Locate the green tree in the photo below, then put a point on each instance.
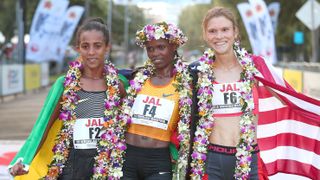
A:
(100, 8)
(191, 17)
(190, 21)
(97, 8)
(289, 23)
(6, 18)
(136, 20)
(8, 24)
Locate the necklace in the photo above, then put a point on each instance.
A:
(92, 78)
(68, 116)
(206, 121)
(183, 86)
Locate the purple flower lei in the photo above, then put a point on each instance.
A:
(206, 122)
(183, 85)
(108, 162)
(68, 116)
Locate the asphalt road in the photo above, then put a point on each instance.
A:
(17, 115)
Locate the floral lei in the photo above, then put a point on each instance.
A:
(160, 30)
(183, 86)
(206, 122)
(68, 116)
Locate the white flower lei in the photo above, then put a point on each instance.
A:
(183, 86)
(206, 122)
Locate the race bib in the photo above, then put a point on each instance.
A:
(227, 98)
(152, 111)
(86, 133)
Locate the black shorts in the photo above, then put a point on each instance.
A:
(221, 163)
(79, 164)
(147, 164)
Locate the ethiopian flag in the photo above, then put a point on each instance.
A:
(36, 162)
(35, 158)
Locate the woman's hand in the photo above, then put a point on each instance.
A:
(17, 169)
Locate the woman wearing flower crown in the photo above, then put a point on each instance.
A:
(158, 102)
(89, 99)
(225, 144)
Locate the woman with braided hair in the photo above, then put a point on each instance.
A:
(158, 101)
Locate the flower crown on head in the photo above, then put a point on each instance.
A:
(160, 30)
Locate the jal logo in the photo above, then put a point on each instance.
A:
(94, 127)
(94, 122)
(229, 87)
(229, 93)
(152, 100)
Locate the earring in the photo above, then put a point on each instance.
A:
(236, 44)
(175, 58)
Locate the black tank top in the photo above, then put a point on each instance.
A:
(90, 104)
(80, 161)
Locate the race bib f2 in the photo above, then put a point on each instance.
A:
(86, 132)
(152, 111)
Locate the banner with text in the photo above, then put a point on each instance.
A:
(256, 18)
(274, 11)
(45, 29)
(71, 19)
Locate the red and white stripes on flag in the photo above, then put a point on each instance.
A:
(288, 131)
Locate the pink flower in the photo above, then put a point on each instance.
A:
(65, 115)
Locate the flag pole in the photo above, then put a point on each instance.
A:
(109, 22)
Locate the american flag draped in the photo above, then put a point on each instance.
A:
(288, 131)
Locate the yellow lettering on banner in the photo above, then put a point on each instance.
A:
(294, 78)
